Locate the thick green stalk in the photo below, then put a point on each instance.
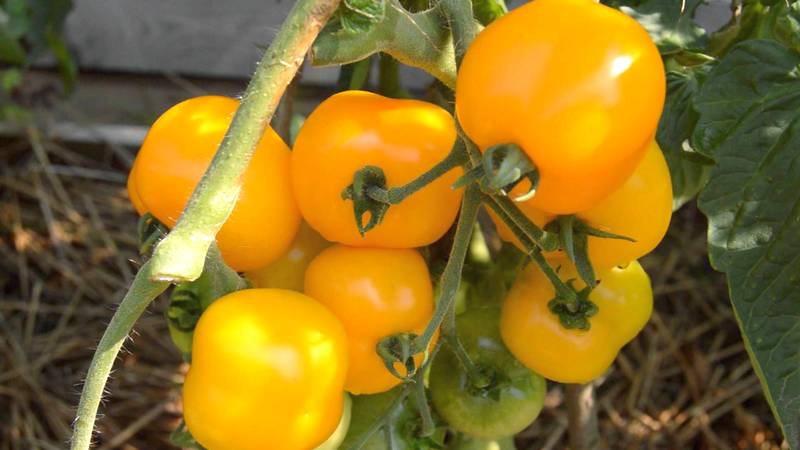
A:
(180, 256)
(141, 293)
(415, 39)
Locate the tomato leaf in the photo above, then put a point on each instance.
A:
(670, 23)
(676, 125)
(750, 124)
(11, 50)
(182, 438)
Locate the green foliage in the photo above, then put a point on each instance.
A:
(677, 123)
(487, 11)
(28, 30)
(670, 23)
(359, 16)
(181, 437)
(749, 123)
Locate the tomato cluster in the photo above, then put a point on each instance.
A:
(326, 295)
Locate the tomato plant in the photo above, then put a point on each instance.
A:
(553, 116)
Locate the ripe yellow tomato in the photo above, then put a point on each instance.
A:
(535, 336)
(354, 129)
(268, 370)
(375, 293)
(577, 85)
(640, 209)
(288, 272)
(175, 154)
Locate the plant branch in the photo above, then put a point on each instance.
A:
(180, 256)
(462, 22)
(419, 39)
(451, 277)
(395, 195)
(141, 293)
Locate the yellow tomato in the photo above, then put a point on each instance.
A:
(268, 370)
(536, 337)
(354, 129)
(577, 85)
(177, 151)
(375, 293)
(640, 209)
(288, 272)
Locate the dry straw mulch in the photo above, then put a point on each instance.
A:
(67, 254)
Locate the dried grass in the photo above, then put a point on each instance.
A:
(67, 252)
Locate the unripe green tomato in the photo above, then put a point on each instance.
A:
(513, 397)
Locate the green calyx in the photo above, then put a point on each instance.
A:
(364, 180)
(399, 348)
(502, 168)
(149, 232)
(574, 313)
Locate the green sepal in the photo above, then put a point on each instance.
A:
(574, 314)
(365, 179)
(149, 231)
(400, 348)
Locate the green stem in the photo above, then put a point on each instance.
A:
(451, 277)
(428, 425)
(141, 293)
(389, 77)
(477, 377)
(381, 420)
(180, 256)
(563, 291)
(395, 195)
(415, 39)
(462, 22)
(516, 219)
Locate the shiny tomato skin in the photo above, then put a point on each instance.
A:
(579, 86)
(375, 293)
(537, 338)
(268, 371)
(404, 138)
(640, 209)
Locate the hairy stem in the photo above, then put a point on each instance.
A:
(141, 293)
(395, 195)
(451, 277)
(180, 256)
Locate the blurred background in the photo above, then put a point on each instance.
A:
(74, 106)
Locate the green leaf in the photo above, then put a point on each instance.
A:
(750, 124)
(183, 438)
(11, 50)
(487, 11)
(66, 65)
(358, 16)
(670, 23)
(676, 125)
